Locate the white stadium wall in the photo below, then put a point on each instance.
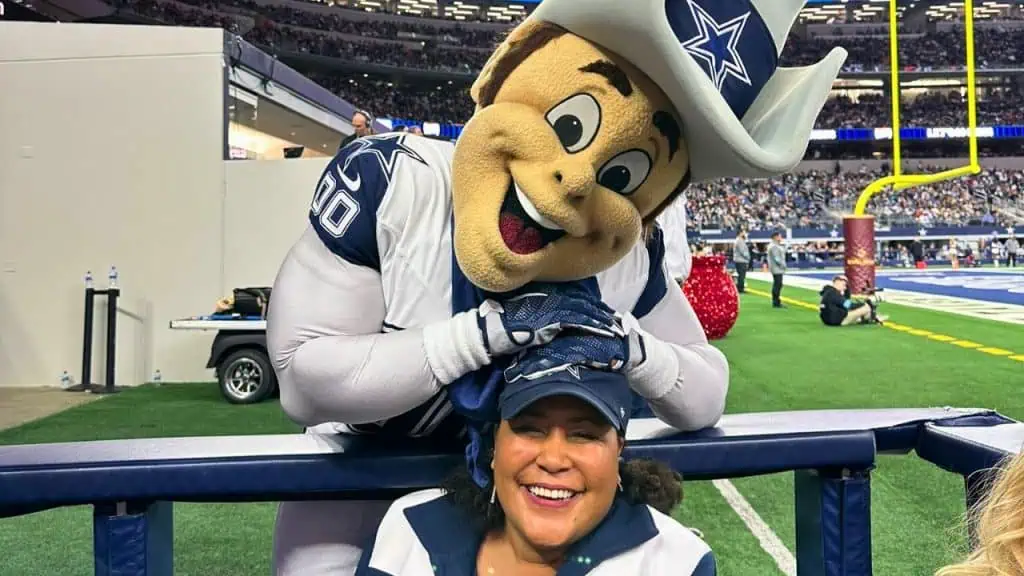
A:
(265, 211)
(111, 153)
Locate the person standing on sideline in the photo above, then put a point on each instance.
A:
(777, 266)
(917, 251)
(1012, 246)
(741, 258)
(362, 125)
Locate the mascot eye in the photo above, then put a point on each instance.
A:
(625, 172)
(576, 121)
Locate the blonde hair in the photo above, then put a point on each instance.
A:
(999, 521)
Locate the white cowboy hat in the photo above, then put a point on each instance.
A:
(717, 61)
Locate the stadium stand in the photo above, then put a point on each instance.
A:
(417, 69)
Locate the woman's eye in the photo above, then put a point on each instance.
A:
(584, 436)
(626, 172)
(526, 430)
(576, 121)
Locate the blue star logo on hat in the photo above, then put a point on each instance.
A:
(716, 45)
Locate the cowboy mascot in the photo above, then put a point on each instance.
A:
(428, 269)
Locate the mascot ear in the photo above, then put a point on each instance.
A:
(520, 42)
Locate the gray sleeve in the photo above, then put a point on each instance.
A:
(685, 379)
(332, 362)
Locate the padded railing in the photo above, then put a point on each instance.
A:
(132, 483)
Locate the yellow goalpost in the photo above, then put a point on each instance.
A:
(898, 179)
(858, 228)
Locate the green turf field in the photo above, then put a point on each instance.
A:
(781, 360)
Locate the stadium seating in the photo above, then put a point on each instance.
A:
(132, 483)
(300, 27)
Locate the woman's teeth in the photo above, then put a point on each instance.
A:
(532, 212)
(550, 494)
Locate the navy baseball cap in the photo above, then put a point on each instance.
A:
(608, 392)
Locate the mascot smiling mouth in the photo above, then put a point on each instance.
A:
(523, 228)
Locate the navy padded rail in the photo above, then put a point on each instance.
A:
(303, 466)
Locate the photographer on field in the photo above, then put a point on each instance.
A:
(837, 308)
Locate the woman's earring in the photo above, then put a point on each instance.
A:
(620, 483)
(494, 491)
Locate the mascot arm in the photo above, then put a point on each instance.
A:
(684, 378)
(324, 336)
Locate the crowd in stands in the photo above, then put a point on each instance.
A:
(993, 48)
(333, 32)
(808, 199)
(436, 102)
(932, 109)
(818, 199)
(441, 102)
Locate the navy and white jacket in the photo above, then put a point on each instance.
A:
(425, 534)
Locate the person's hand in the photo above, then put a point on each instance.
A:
(571, 349)
(537, 317)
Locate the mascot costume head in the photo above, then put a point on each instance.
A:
(594, 115)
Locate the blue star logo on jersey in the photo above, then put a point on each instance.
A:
(386, 148)
(716, 45)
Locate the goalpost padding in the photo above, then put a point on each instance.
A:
(859, 236)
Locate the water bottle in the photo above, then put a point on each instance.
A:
(112, 278)
(88, 279)
(157, 378)
(65, 380)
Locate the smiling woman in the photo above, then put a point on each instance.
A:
(558, 495)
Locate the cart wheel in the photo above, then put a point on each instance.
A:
(246, 377)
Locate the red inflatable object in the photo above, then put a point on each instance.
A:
(713, 295)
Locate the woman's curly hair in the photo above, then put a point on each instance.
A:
(643, 482)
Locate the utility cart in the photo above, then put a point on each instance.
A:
(238, 355)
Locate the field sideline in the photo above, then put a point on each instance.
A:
(780, 360)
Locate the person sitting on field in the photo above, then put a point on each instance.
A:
(837, 308)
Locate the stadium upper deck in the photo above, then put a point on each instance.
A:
(817, 11)
(416, 67)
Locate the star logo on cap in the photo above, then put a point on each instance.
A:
(715, 45)
(834, 233)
